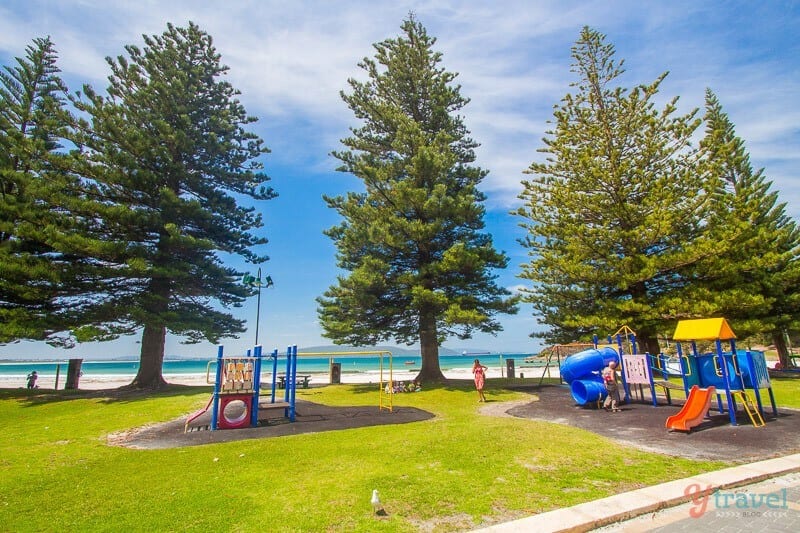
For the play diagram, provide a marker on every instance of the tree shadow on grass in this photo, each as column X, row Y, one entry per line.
column 452, row 385
column 31, row 398
column 372, row 388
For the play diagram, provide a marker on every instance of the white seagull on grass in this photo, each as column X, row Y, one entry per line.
column 376, row 503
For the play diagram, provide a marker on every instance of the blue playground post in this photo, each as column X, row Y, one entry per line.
column 727, row 379
column 291, row 381
column 685, row 368
column 274, row 373
column 217, row 382
column 288, row 374
column 256, row 385
column 294, row 383
column 632, row 339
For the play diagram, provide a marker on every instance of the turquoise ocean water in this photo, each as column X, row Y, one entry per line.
column 305, row 365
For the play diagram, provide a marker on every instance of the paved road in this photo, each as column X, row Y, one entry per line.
column 771, row 505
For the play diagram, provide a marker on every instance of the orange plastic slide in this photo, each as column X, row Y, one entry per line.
column 694, row 410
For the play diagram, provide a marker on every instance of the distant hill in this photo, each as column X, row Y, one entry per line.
column 394, row 349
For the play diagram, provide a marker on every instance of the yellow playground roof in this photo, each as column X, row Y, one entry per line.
column 703, row 329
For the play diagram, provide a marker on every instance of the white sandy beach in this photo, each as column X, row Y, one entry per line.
column 99, row 382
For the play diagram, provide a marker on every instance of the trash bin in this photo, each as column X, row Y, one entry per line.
column 73, row 373
column 336, row 373
column 510, row 369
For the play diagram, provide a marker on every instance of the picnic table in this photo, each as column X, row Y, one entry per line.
column 299, row 380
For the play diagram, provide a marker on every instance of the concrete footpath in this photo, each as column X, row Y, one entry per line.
column 708, row 498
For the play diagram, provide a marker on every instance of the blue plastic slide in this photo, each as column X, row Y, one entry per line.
column 582, row 372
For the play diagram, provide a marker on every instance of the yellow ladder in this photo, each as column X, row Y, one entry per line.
column 750, row 408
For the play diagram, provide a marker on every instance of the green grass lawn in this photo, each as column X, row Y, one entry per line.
column 454, row 472
column 786, row 389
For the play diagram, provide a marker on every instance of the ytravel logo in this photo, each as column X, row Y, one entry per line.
column 739, row 504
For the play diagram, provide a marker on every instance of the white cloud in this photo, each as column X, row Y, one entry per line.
column 517, row 289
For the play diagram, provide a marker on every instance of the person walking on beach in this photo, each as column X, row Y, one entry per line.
column 480, row 378
column 32, row 377
column 612, row 387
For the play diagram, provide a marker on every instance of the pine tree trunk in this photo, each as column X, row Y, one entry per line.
column 430, row 372
column 779, row 340
column 151, row 359
column 647, row 338
column 649, row 344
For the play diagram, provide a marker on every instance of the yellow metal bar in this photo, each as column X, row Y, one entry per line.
column 386, row 393
column 385, row 399
column 391, row 378
column 625, row 331
column 755, row 417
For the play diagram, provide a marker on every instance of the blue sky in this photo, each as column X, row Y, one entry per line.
column 291, row 59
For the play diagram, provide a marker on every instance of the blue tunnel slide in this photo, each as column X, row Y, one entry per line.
column 582, row 372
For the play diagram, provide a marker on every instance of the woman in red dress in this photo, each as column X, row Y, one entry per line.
column 480, row 378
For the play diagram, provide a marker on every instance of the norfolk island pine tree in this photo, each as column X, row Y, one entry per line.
column 166, row 151
column 418, row 266
column 47, row 278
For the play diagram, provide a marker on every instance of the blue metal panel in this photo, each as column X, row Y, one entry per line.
column 217, row 385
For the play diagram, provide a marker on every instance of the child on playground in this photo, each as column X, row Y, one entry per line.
column 612, row 387
column 480, row 378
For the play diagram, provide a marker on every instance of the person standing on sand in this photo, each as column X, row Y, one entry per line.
column 480, row 378
column 32, row 377
column 612, row 387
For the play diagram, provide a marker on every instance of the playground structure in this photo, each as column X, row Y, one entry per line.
column 732, row 373
column 704, row 375
column 237, row 400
